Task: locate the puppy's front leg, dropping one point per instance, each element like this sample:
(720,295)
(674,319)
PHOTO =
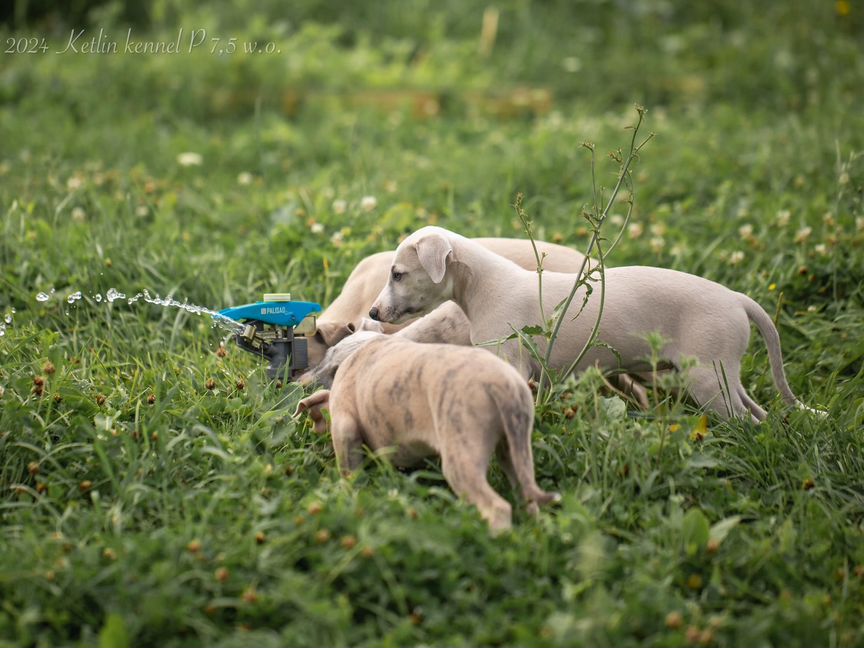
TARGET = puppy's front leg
(347,443)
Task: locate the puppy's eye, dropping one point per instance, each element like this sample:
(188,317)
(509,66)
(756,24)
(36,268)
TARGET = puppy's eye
(397,276)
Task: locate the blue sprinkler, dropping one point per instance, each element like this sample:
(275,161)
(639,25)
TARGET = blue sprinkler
(277,329)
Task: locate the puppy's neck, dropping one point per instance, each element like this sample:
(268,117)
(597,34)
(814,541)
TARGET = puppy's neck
(480,275)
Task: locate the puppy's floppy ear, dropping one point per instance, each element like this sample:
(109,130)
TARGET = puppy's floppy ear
(315,403)
(432,251)
(330,333)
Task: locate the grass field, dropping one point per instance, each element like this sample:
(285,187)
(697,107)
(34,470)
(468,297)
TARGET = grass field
(153,492)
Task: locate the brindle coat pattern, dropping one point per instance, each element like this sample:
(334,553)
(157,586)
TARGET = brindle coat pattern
(419,400)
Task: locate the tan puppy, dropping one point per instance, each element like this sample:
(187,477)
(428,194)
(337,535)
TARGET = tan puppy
(425,399)
(696,317)
(364,283)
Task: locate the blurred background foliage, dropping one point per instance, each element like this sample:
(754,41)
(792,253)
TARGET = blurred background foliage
(786,55)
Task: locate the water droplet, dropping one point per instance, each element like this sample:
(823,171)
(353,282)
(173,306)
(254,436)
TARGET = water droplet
(97,297)
(43,297)
(73,297)
(112,294)
(8,319)
(2,330)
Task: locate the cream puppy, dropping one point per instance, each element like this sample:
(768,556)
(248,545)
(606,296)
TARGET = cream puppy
(696,317)
(343,316)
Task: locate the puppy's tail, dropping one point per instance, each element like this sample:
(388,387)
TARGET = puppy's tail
(766,327)
(517,418)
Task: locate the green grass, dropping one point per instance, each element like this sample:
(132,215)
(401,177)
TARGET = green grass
(208,517)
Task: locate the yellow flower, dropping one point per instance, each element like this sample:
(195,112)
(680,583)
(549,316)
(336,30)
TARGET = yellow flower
(843,7)
(700,431)
(772,287)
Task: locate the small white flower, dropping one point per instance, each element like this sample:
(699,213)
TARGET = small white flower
(746,231)
(634,230)
(316,228)
(844,178)
(812,309)
(617,220)
(658,229)
(390,186)
(337,238)
(79,215)
(859,223)
(678,250)
(190,159)
(340,206)
(74,183)
(141,211)
(244,178)
(571,64)
(821,249)
(368,203)
(657,244)
(828,218)
(783,217)
(803,234)
(736,257)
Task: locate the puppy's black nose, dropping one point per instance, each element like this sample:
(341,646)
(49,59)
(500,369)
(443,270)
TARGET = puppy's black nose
(373,313)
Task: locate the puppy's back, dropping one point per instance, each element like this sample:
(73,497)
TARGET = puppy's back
(396,373)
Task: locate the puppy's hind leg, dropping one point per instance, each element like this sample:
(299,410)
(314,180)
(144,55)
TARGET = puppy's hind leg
(467,478)
(718,391)
(514,450)
(757,412)
(533,495)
